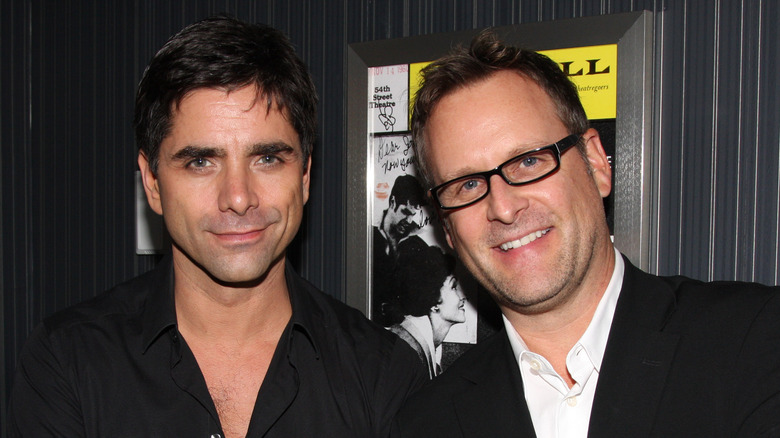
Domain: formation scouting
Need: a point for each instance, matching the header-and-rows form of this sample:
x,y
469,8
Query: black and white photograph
x,y
417,290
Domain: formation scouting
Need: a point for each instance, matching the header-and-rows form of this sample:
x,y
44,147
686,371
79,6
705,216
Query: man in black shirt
x,y
394,236
222,339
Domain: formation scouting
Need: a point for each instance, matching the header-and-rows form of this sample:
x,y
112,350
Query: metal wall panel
x,y
69,70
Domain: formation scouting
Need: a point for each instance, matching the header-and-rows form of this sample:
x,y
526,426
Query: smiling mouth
x,y
525,240
238,236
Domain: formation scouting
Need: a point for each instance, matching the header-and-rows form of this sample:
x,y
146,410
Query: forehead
x,y
221,116
449,285
482,125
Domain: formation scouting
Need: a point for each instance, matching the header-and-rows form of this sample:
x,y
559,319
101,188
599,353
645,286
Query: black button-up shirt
x,y
116,366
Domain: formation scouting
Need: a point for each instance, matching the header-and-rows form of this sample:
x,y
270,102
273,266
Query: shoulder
x,y
480,378
68,354
689,301
410,339
722,293
481,358
735,314
111,308
404,334
471,368
694,299
371,366
105,325
337,327
735,322
725,336
315,307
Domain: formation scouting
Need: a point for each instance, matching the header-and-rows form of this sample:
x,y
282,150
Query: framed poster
x,y
396,251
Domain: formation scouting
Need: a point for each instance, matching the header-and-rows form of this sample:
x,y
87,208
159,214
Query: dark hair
x,y
487,56
419,277
224,53
407,190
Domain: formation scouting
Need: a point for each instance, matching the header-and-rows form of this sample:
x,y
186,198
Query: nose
x,y
236,192
504,201
417,218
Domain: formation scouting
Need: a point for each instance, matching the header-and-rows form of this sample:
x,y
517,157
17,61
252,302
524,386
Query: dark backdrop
x,y
68,70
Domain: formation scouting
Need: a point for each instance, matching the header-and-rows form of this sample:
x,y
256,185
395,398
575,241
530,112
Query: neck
x,y
554,333
440,329
222,313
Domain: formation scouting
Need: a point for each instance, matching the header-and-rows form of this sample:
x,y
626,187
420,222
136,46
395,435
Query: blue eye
x,y
199,162
269,159
471,184
530,161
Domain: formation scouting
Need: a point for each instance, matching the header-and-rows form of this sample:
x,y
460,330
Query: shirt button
x,y
216,435
571,401
535,365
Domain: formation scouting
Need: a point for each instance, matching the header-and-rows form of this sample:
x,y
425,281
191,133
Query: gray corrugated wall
x,y
68,69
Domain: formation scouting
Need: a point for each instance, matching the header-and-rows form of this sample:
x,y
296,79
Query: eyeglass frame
x,y
558,147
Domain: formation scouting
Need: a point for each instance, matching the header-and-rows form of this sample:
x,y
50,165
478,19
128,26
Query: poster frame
x,y
633,191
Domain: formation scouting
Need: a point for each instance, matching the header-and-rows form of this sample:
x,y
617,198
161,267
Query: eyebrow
x,y
275,147
189,152
192,151
515,152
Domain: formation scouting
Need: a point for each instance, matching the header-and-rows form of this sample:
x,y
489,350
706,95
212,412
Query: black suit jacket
x,y
683,359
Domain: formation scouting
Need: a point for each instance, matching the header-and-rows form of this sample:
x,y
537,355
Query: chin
x,y
239,279
233,269
240,274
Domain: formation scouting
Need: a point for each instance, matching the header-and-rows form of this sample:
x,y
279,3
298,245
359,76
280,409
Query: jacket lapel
x,y
637,358
494,405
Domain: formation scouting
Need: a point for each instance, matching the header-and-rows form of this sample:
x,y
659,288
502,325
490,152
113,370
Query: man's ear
x,y
151,184
306,180
597,160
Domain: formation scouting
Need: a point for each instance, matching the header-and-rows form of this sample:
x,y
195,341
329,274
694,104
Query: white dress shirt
x,y
558,411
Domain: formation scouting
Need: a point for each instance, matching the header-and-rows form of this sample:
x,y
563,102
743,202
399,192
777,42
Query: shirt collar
x,y
594,340
307,316
159,312
422,326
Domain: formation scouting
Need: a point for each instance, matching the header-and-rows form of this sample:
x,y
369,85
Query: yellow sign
x,y
415,81
593,70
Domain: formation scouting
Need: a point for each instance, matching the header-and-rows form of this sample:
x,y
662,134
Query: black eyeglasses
x,y
523,169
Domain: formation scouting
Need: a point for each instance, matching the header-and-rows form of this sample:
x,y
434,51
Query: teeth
x,y
525,240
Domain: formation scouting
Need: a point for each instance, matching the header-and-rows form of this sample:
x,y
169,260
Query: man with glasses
x,y
592,346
